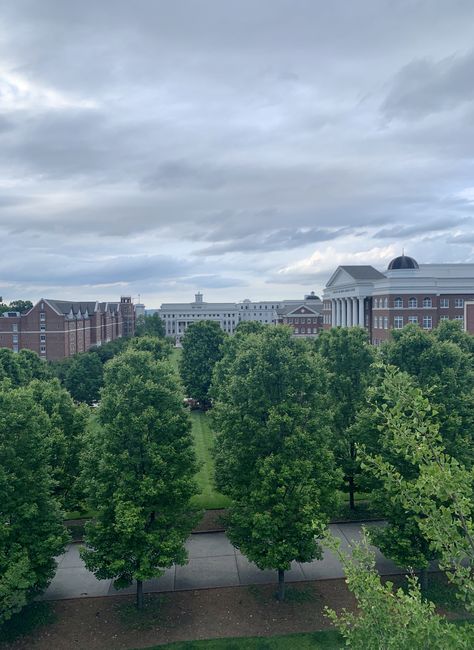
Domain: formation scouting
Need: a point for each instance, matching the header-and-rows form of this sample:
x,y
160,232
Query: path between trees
x,y
213,562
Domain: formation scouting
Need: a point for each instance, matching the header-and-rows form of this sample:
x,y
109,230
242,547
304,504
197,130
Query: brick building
x,y
405,293
59,328
305,318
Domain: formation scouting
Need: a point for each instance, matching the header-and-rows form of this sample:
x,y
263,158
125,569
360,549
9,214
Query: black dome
x,y
403,262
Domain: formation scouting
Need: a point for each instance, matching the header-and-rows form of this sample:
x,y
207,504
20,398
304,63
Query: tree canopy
x,y
150,326
83,377
31,529
202,348
273,456
138,473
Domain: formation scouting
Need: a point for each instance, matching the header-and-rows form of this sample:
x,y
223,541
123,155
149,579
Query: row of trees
x,y
263,409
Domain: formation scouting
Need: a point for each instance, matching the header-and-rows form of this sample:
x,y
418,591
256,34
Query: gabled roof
x,y
357,272
298,310
67,307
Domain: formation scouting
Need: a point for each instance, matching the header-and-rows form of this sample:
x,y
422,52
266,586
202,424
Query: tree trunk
x,y
351,493
139,594
424,581
281,585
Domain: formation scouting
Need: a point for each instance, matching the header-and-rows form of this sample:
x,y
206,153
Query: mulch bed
x,y
110,624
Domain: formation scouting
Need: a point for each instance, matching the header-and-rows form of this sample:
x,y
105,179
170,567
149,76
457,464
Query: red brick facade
x,y
304,320
56,329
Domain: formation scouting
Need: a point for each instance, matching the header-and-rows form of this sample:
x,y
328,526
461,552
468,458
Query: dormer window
x,y
398,303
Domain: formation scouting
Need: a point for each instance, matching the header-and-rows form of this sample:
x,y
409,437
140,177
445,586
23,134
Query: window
x,y
385,303
459,303
14,327
443,318
15,347
42,349
398,322
15,338
461,318
413,319
427,322
444,303
412,303
43,338
376,303
297,331
398,303
385,322
42,316
427,302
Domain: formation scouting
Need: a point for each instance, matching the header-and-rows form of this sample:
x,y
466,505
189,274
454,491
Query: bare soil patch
x,y
110,623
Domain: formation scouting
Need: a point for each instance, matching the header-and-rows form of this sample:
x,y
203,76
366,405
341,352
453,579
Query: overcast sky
x,y
241,147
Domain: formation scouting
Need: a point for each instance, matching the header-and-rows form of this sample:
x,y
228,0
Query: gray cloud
x,y
136,140
425,86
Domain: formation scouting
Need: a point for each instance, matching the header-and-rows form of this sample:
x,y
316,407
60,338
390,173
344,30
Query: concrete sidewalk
x,y
213,562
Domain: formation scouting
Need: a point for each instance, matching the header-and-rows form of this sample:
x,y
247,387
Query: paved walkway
x,y
213,562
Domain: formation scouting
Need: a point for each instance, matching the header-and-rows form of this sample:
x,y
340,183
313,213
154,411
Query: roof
x,y
363,272
290,309
65,306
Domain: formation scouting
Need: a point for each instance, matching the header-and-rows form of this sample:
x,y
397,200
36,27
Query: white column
x,y
333,313
355,312
349,311
361,312
344,312
338,311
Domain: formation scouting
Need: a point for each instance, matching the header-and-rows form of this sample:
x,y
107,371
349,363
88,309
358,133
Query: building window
x,y
42,349
443,318
398,303
15,347
385,303
413,319
297,331
398,322
412,303
427,302
385,322
427,322
444,303
14,327
15,338
461,318
459,303
42,316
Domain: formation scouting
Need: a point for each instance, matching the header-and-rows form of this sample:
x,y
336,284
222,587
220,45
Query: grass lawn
x,y
174,358
328,640
208,498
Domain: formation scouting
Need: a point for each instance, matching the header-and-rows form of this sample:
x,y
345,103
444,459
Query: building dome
x,y
312,296
403,262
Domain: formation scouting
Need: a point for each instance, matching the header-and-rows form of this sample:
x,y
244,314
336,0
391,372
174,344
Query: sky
x,y
241,148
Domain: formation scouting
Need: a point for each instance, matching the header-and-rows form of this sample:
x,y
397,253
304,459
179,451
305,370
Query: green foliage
x,y
439,495
348,357
159,347
32,616
31,530
441,364
21,368
150,326
67,423
138,472
16,305
109,350
202,349
272,451
389,619
83,377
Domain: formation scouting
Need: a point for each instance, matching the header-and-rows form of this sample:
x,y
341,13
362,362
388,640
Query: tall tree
x,y
139,473
150,326
67,424
438,496
160,348
202,349
31,529
21,305
32,366
273,456
445,371
83,377
348,357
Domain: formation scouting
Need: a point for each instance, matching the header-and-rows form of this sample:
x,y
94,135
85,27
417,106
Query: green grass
x,y
174,358
327,640
208,498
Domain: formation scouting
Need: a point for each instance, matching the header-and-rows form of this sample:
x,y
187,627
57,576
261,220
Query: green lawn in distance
x,y
208,498
174,358
326,640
